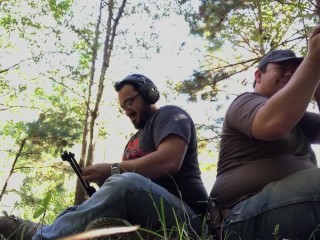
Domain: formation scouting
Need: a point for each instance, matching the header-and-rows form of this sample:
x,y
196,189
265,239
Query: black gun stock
x,y
69,157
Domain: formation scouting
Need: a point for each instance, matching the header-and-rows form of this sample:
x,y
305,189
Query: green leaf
x,y
43,206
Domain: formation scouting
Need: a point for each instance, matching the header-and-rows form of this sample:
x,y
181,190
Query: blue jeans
x,y
128,196
285,209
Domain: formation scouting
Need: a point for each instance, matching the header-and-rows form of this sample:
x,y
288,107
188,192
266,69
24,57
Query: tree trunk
x,y
80,193
87,152
317,10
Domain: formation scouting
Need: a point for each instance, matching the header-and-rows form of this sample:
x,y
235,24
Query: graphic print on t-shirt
x,y
132,150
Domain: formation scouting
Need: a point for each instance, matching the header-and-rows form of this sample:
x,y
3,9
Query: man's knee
x,y
127,180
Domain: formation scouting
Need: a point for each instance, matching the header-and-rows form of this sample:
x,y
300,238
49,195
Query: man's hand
x,y
314,45
97,173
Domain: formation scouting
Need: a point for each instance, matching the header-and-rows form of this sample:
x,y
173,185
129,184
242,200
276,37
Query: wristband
x,y
115,169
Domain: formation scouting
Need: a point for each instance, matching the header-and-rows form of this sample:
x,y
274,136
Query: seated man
x,y
159,164
268,182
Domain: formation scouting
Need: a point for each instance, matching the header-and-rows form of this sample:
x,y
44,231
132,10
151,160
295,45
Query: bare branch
x,y
12,167
26,60
65,86
5,107
16,64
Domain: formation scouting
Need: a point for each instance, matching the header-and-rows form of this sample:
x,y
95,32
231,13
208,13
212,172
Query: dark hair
x,y
141,84
120,84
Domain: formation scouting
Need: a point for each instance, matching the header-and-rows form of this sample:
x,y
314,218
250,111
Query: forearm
x,y
284,109
152,165
167,159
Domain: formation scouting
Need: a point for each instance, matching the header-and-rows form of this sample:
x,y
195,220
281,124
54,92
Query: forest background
x,y
59,60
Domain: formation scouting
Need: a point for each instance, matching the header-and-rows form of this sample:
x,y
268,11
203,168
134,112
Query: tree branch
x,y
12,168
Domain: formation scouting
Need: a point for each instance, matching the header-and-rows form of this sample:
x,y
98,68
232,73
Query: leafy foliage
x,y
250,30
238,33
48,80
33,146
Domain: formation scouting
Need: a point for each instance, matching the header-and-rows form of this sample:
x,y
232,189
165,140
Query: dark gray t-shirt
x,y
187,182
246,164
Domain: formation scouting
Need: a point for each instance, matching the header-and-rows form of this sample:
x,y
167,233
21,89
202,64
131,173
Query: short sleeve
x,y
171,120
242,111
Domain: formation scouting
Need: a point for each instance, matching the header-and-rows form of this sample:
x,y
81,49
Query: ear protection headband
x,y
146,87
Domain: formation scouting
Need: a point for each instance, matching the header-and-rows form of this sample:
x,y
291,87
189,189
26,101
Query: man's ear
x,y
258,76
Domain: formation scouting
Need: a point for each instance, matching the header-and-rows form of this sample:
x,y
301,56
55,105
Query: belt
x,y
224,212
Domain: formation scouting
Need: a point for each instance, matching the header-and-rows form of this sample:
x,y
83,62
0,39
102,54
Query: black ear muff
x,y
146,87
150,92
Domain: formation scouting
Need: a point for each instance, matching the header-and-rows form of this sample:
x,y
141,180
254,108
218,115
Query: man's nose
x,y
127,111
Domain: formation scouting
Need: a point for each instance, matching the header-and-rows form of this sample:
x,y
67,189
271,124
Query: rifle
x,y
70,158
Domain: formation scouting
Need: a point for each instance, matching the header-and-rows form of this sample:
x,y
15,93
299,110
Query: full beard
x,y
143,118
